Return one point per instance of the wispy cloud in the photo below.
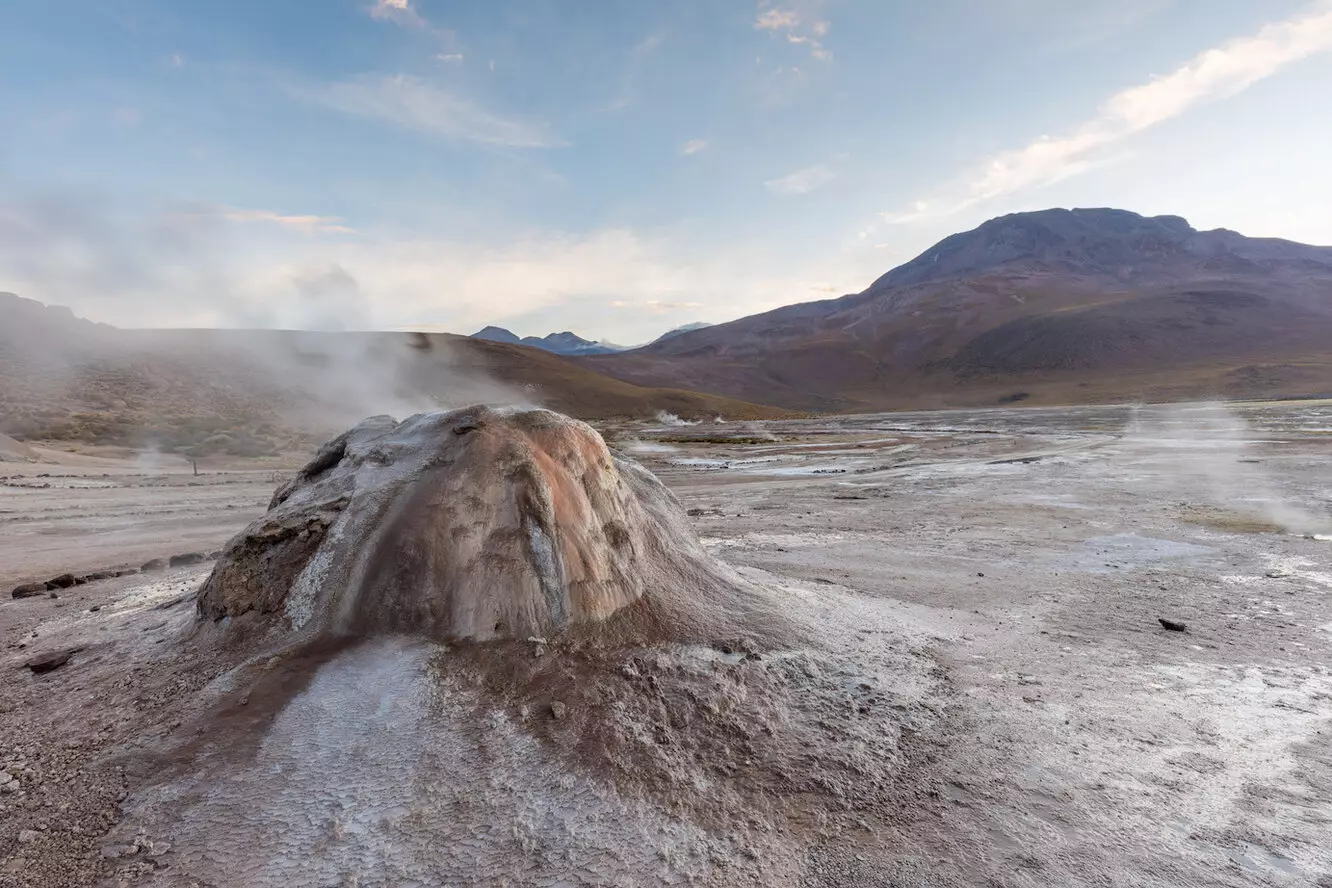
(1217, 73)
(415, 104)
(796, 27)
(405, 15)
(303, 224)
(399, 11)
(693, 146)
(626, 95)
(452, 58)
(801, 181)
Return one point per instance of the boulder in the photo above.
(29, 590)
(51, 660)
(478, 524)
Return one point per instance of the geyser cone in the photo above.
(478, 524)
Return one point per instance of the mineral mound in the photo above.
(479, 524)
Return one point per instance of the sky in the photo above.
(615, 167)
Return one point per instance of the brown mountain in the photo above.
(254, 391)
(1051, 306)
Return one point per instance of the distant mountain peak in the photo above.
(563, 343)
(496, 334)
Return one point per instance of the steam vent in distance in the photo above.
(478, 524)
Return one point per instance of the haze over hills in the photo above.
(565, 343)
(1051, 306)
(568, 343)
(249, 392)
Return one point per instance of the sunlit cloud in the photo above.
(399, 11)
(792, 24)
(1217, 73)
(693, 146)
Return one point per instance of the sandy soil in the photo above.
(990, 582)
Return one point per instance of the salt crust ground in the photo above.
(1054, 733)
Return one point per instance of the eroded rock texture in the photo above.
(478, 524)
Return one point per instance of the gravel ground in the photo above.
(1001, 573)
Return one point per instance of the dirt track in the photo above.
(1022, 558)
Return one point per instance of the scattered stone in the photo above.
(64, 581)
(51, 660)
(126, 571)
(155, 564)
(53, 595)
(94, 609)
(28, 836)
(29, 590)
(558, 710)
(115, 852)
(100, 575)
(186, 558)
(1172, 625)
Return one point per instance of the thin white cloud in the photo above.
(399, 11)
(801, 181)
(452, 58)
(693, 146)
(415, 104)
(792, 24)
(303, 224)
(1218, 73)
(627, 93)
(777, 20)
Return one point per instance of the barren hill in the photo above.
(248, 392)
(1052, 306)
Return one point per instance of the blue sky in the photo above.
(615, 167)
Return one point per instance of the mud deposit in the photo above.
(988, 697)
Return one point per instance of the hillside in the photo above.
(1057, 306)
(248, 392)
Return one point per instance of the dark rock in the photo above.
(53, 594)
(64, 581)
(29, 590)
(214, 555)
(126, 571)
(186, 558)
(94, 609)
(155, 564)
(100, 575)
(51, 660)
(1172, 625)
